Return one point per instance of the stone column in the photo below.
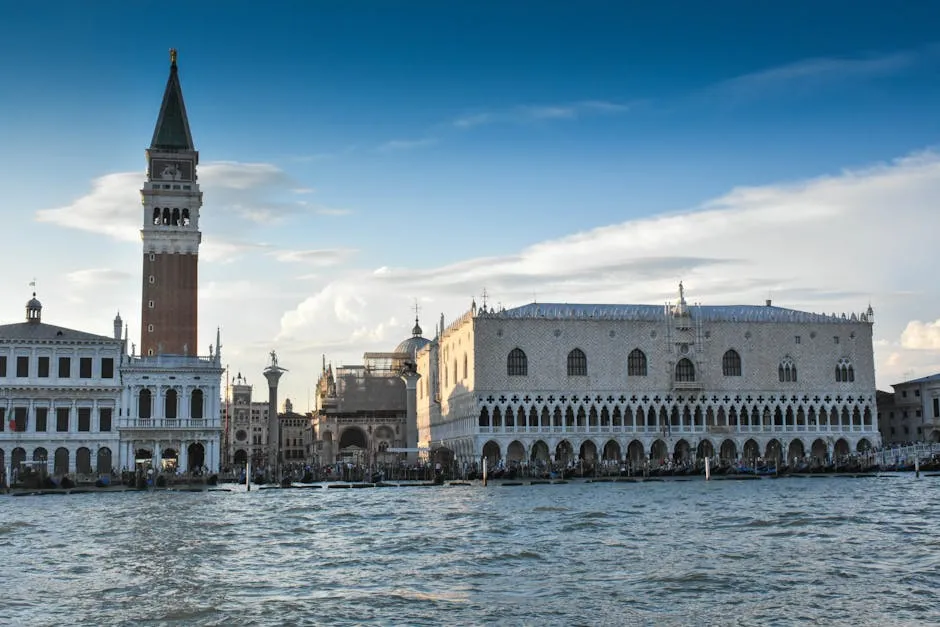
(410, 377)
(273, 374)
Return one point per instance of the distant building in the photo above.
(60, 393)
(912, 412)
(292, 427)
(558, 383)
(362, 410)
(247, 427)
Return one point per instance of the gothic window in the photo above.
(845, 373)
(786, 371)
(636, 363)
(577, 363)
(517, 364)
(685, 371)
(144, 404)
(731, 364)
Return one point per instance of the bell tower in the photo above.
(171, 200)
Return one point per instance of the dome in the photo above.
(412, 345)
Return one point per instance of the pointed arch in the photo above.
(484, 417)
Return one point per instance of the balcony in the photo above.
(169, 423)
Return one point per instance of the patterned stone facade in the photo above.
(557, 382)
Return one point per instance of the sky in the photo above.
(359, 159)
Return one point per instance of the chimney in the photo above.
(768, 302)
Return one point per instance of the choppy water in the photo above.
(770, 552)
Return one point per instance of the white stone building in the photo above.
(647, 383)
(60, 393)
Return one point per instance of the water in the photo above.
(773, 552)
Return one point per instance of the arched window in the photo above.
(156, 215)
(517, 364)
(636, 363)
(166, 216)
(196, 404)
(171, 403)
(845, 373)
(731, 364)
(685, 371)
(185, 217)
(464, 365)
(176, 217)
(455, 371)
(144, 404)
(577, 363)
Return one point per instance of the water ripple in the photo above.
(660, 553)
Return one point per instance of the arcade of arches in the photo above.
(658, 451)
(62, 459)
(170, 456)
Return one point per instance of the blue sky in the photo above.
(427, 138)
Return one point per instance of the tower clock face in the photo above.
(171, 170)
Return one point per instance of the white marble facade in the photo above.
(171, 417)
(557, 382)
(60, 393)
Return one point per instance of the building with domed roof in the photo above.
(562, 383)
(362, 411)
(60, 397)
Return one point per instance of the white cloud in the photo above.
(332, 211)
(105, 209)
(533, 113)
(253, 191)
(317, 257)
(919, 335)
(397, 145)
(821, 71)
(817, 245)
(96, 277)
